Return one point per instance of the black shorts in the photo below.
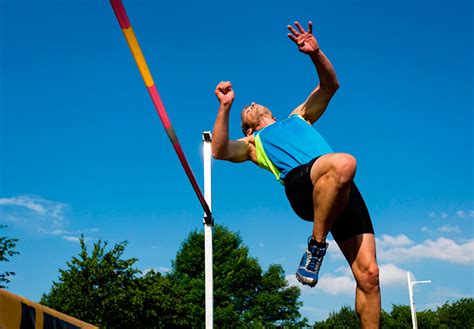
(354, 220)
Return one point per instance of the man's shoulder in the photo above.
(248, 139)
(298, 112)
(251, 152)
(298, 117)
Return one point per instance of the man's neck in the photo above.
(265, 121)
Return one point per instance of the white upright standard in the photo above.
(411, 284)
(207, 138)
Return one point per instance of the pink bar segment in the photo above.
(120, 12)
(160, 108)
(192, 179)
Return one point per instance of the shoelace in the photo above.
(314, 263)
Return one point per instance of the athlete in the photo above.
(318, 182)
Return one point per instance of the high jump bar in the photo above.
(132, 41)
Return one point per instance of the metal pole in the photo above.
(209, 295)
(412, 303)
(411, 284)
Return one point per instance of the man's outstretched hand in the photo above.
(224, 93)
(305, 41)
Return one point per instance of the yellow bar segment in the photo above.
(138, 55)
(10, 313)
(39, 323)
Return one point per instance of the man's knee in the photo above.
(368, 278)
(344, 168)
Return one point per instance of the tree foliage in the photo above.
(7, 249)
(102, 288)
(98, 288)
(244, 295)
(458, 315)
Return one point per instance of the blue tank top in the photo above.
(287, 144)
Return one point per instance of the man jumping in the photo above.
(318, 182)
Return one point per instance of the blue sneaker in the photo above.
(308, 270)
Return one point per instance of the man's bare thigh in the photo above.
(325, 163)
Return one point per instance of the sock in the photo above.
(313, 242)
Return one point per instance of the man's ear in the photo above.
(249, 132)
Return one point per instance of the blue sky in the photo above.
(83, 151)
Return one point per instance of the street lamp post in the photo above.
(411, 284)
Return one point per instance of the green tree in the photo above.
(99, 288)
(158, 302)
(244, 295)
(7, 246)
(401, 317)
(428, 320)
(386, 320)
(102, 288)
(459, 314)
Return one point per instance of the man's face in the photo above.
(251, 116)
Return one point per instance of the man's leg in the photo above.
(331, 176)
(360, 254)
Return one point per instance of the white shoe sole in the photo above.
(306, 281)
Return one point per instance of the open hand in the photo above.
(305, 41)
(224, 93)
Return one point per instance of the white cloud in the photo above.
(425, 229)
(315, 312)
(74, 238)
(34, 212)
(280, 260)
(443, 294)
(36, 204)
(441, 249)
(387, 241)
(465, 214)
(333, 250)
(163, 269)
(345, 270)
(70, 238)
(335, 285)
(428, 306)
(460, 213)
(328, 283)
(147, 270)
(392, 276)
(160, 269)
(449, 229)
(22, 201)
(55, 232)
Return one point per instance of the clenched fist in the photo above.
(224, 93)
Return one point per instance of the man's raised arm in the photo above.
(312, 109)
(222, 147)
